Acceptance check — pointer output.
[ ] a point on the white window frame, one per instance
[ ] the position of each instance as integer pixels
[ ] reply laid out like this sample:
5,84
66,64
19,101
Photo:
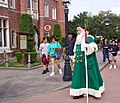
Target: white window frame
4,3
7,47
13,4
34,4
14,39
46,10
53,12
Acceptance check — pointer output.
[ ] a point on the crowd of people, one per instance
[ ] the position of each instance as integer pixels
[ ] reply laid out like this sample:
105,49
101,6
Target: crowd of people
82,53
110,52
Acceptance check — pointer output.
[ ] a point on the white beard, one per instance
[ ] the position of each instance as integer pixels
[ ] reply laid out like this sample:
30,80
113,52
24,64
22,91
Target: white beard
80,38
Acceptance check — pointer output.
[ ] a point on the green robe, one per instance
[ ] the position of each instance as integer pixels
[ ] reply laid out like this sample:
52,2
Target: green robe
95,81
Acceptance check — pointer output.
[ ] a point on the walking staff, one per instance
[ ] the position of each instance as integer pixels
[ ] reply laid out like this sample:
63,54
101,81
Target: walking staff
86,40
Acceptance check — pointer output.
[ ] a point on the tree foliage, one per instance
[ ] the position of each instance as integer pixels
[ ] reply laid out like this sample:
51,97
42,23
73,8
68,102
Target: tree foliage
96,26
57,33
26,24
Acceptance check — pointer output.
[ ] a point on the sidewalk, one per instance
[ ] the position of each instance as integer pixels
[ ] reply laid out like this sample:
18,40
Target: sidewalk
16,84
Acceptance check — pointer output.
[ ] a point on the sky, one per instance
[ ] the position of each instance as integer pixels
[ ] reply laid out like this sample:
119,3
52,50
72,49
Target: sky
93,6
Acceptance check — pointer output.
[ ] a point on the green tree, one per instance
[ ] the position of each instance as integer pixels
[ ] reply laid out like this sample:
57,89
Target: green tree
95,24
57,33
26,26
26,23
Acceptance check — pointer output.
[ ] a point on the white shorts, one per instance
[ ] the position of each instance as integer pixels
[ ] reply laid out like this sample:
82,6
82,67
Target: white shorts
71,57
111,57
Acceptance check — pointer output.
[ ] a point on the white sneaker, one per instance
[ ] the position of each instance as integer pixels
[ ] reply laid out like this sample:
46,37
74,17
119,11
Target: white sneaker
60,71
52,74
115,66
110,67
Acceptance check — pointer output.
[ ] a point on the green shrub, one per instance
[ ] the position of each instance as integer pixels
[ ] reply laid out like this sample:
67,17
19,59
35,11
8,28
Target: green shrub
26,24
14,52
30,38
26,57
30,46
57,33
33,57
48,39
18,56
63,40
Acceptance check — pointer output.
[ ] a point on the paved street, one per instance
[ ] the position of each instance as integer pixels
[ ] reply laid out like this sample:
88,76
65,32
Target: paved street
20,84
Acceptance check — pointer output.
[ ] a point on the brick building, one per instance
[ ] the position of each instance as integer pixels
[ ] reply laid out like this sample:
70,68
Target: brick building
45,14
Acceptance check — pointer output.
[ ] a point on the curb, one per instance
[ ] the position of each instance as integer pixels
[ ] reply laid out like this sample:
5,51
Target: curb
20,68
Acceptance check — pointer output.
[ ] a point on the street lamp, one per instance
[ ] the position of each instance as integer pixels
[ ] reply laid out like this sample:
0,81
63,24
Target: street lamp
67,68
107,22
117,32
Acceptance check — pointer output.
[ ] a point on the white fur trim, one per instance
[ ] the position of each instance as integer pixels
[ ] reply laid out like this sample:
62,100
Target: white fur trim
82,91
90,36
92,47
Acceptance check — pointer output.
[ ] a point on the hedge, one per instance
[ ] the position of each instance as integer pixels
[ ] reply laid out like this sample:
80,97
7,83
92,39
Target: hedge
18,56
33,57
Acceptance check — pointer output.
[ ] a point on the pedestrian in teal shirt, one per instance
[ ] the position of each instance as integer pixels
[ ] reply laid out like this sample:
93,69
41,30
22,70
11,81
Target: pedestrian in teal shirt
51,48
51,51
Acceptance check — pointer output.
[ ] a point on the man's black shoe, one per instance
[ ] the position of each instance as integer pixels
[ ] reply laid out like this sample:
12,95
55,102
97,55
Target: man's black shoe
47,70
77,97
44,71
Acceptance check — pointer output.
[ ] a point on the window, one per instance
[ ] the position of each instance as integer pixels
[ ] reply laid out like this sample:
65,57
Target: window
12,4
46,10
0,37
3,33
53,13
4,3
2,0
34,4
28,3
14,39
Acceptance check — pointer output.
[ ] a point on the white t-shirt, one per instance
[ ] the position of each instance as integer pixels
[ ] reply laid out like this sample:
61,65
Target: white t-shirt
44,47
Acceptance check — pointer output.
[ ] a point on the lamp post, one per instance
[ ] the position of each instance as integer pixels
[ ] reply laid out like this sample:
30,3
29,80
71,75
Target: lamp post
117,32
67,68
107,22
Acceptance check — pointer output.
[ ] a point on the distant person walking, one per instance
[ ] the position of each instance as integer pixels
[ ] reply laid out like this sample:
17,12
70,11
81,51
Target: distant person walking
69,46
119,48
51,51
113,54
43,54
105,47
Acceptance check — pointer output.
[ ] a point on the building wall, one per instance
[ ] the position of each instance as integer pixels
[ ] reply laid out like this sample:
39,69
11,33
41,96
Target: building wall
41,18
61,16
48,20
20,7
14,16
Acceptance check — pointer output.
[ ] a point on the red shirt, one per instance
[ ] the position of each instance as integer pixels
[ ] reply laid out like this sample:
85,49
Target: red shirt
119,45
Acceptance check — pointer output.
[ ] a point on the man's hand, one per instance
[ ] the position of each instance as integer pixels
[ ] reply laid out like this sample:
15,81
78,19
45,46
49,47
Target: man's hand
85,45
40,55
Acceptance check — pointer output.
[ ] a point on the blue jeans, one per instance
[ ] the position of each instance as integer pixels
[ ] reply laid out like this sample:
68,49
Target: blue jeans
105,55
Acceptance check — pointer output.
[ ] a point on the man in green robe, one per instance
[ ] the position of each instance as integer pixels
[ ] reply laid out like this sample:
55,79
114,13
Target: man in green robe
95,81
